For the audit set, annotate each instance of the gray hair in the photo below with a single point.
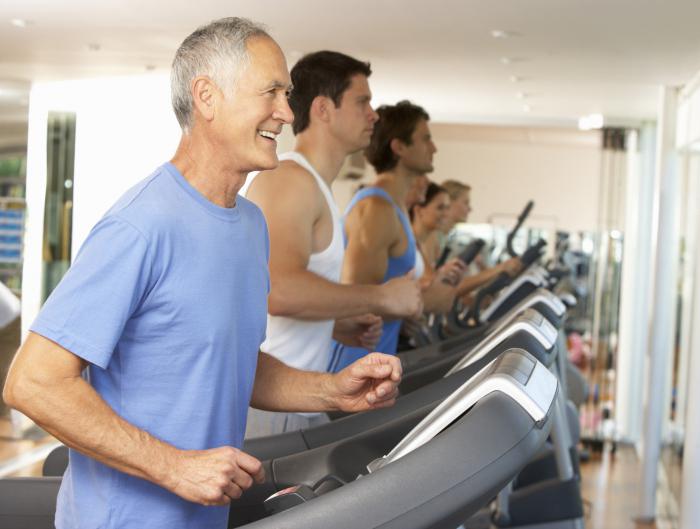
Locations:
(217, 50)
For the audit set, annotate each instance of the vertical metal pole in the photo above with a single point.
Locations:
(664, 306)
(636, 286)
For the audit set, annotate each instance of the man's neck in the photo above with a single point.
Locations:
(397, 182)
(322, 152)
(203, 167)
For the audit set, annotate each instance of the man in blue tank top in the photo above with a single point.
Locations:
(379, 240)
(146, 356)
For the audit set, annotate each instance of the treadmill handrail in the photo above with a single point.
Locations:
(511, 235)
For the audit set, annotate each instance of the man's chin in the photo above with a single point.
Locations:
(267, 163)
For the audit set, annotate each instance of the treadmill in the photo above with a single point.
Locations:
(510, 401)
(452, 463)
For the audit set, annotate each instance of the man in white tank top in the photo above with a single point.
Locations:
(307, 306)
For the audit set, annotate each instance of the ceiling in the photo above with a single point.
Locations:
(563, 59)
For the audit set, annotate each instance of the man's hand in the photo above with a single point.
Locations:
(213, 477)
(370, 382)
(402, 298)
(359, 331)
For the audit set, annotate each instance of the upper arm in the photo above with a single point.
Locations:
(39, 363)
(288, 197)
(109, 280)
(432, 249)
(371, 232)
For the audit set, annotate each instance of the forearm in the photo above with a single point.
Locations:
(308, 296)
(472, 282)
(438, 296)
(279, 387)
(76, 415)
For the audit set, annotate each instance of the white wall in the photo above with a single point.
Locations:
(125, 128)
(507, 166)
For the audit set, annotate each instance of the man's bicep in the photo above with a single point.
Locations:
(289, 209)
(370, 236)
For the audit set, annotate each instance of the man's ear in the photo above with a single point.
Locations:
(205, 95)
(397, 147)
(320, 108)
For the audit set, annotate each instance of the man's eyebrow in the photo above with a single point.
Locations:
(276, 85)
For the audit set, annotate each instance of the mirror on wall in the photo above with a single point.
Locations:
(58, 211)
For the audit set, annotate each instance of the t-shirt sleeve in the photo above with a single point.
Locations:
(87, 311)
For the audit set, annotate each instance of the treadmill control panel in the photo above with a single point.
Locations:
(530, 321)
(544, 296)
(523, 279)
(515, 373)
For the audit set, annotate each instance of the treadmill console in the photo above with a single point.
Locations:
(529, 321)
(529, 277)
(515, 373)
(545, 297)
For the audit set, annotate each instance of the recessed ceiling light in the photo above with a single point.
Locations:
(20, 22)
(521, 95)
(506, 60)
(527, 108)
(499, 34)
(591, 121)
(515, 79)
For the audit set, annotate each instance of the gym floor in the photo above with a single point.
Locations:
(609, 484)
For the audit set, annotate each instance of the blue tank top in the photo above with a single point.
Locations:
(343, 355)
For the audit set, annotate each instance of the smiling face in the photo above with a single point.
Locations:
(460, 207)
(352, 122)
(434, 215)
(250, 115)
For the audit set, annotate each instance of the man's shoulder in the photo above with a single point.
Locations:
(155, 205)
(374, 215)
(250, 210)
(289, 176)
(375, 206)
(289, 190)
(146, 195)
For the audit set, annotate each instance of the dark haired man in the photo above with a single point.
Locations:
(380, 243)
(307, 304)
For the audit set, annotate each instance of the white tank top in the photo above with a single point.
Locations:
(299, 343)
(419, 270)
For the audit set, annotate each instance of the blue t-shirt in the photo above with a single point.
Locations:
(167, 301)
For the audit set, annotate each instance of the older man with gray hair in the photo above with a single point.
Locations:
(146, 356)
